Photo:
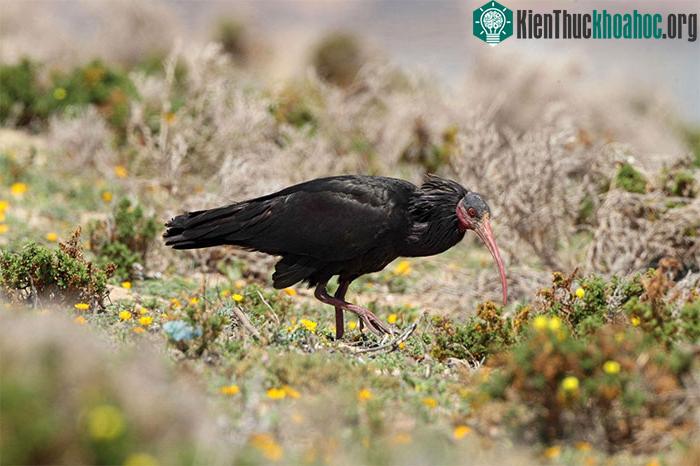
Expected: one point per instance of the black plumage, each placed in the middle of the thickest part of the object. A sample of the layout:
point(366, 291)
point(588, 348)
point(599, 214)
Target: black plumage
point(344, 225)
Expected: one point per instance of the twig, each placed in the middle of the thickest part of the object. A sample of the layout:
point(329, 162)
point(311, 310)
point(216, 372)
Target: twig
point(274, 316)
point(245, 322)
point(393, 344)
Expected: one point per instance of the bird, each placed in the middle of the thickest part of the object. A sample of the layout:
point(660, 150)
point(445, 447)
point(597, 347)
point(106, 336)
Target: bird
point(345, 226)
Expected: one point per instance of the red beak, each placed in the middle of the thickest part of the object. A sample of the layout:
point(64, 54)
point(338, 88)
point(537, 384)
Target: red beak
point(484, 231)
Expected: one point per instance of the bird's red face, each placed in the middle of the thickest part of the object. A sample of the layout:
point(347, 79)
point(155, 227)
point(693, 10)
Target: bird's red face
point(474, 214)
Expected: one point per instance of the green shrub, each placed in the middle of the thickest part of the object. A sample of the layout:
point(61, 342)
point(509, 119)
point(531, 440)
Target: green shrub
point(679, 183)
point(19, 94)
point(338, 58)
point(196, 326)
point(38, 274)
point(630, 179)
point(124, 239)
point(233, 37)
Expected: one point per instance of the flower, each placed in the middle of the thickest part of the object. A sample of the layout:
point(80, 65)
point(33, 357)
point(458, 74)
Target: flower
point(80, 320)
point(554, 323)
point(291, 393)
point(309, 325)
point(169, 117)
point(352, 325)
point(4, 205)
point(179, 330)
point(552, 452)
point(106, 197)
point(145, 320)
point(364, 395)
point(461, 431)
point(126, 285)
point(125, 315)
point(229, 390)
point(52, 237)
point(121, 171)
point(18, 189)
point(82, 306)
point(431, 403)
point(237, 297)
point(635, 321)
point(4, 228)
point(392, 318)
point(105, 422)
point(276, 393)
point(402, 268)
point(225, 293)
point(268, 446)
point(194, 301)
point(570, 384)
point(402, 345)
point(175, 303)
point(139, 330)
point(143, 311)
point(140, 459)
point(583, 446)
point(611, 367)
point(239, 284)
point(539, 322)
point(290, 291)
point(580, 293)
point(59, 93)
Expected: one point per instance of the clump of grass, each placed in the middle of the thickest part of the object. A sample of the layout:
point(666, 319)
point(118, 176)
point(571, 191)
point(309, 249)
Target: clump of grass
point(37, 274)
point(338, 58)
point(630, 179)
point(124, 239)
point(680, 183)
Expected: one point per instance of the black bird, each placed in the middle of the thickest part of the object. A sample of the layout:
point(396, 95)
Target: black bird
point(343, 225)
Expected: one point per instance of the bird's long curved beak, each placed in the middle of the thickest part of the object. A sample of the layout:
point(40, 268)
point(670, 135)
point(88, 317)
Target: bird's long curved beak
point(485, 233)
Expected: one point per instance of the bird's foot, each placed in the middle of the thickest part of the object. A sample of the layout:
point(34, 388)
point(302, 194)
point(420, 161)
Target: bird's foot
point(372, 322)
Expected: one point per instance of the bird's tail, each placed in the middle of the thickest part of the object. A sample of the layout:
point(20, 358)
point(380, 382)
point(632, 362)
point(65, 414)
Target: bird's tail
point(203, 228)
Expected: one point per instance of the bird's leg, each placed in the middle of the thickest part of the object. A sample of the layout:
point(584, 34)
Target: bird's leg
point(339, 321)
point(372, 321)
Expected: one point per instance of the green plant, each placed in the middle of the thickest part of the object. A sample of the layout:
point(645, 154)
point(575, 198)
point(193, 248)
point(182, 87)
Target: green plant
point(196, 327)
point(679, 183)
point(19, 93)
point(124, 239)
point(36, 273)
point(630, 179)
point(338, 58)
point(233, 37)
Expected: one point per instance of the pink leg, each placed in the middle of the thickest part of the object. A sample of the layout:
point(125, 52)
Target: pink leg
point(372, 321)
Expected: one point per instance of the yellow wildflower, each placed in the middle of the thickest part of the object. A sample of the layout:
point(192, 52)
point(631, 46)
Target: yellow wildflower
point(237, 297)
point(570, 384)
point(18, 189)
point(552, 452)
point(59, 93)
point(121, 171)
point(635, 321)
point(290, 291)
point(539, 322)
point(364, 394)
point(554, 323)
point(392, 319)
point(583, 446)
point(145, 320)
point(402, 268)
point(80, 320)
point(169, 117)
point(4, 205)
point(239, 284)
point(402, 345)
point(139, 330)
point(309, 325)
point(580, 293)
point(2, 216)
point(175, 303)
point(143, 311)
point(194, 301)
point(52, 237)
point(291, 393)
point(352, 325)
point(276, 393)
point(654, 462)
point(140, 459)
point(268, 446)
point(229, 390)
point(225, 293)
point(430, 402)
point(611, 367)
point(4, 228)
point(82, 306)
point(461, 431)
point(125, 315)
point(126, 285)
point(105, 422)
point(106, 197)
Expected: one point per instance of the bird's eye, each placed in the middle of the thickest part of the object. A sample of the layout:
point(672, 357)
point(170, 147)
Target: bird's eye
point(471, 212)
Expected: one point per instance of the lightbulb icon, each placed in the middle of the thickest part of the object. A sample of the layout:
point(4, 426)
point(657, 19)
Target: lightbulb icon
point(493, 21)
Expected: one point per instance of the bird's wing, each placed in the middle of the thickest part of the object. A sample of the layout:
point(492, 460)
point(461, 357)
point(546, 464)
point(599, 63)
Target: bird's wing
point(337, 219)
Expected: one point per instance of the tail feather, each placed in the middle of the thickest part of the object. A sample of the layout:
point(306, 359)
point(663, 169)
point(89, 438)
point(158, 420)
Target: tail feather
point(205, 228)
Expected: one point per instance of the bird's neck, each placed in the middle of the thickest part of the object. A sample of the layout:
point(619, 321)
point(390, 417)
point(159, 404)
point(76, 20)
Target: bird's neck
point(434, 225)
